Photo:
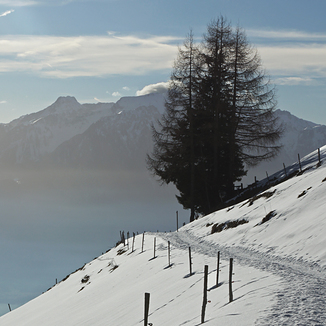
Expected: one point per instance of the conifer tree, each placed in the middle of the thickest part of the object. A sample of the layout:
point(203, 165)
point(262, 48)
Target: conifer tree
point(219, 116)
point(173, 157)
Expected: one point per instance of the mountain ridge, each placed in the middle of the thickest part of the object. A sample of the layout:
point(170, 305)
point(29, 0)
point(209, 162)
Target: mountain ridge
point(64, 134)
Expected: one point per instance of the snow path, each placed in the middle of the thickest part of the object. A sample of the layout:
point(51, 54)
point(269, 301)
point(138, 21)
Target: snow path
point(302, 298)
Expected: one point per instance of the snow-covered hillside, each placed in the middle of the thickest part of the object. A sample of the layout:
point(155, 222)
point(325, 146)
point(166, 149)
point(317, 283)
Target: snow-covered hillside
point(278, 243)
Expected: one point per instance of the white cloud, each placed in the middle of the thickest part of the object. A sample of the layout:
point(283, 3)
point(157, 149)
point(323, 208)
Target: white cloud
point(6, 13)
point(3, 102)
point(293, 81)
point(116, 94)
point(126, 88)
point(293, 35)
point(305, 61)
point(63, 57)
point(18, 3)
point(292, 57)
point(111, 54)
point(25, 3)
point(154, 88)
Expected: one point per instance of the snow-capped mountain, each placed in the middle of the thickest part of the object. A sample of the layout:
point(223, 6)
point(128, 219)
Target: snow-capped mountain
point(27, 139)
point(118, 135)
point(133, 102)
point(125, 125)
point(117, 141)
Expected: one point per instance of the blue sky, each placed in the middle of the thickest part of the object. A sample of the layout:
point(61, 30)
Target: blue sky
point(100, 50)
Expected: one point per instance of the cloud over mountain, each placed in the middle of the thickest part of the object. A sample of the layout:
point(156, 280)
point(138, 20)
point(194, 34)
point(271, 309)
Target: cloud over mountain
point(154, 88)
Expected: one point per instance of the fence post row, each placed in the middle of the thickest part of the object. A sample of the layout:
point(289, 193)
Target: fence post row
point(205, 295)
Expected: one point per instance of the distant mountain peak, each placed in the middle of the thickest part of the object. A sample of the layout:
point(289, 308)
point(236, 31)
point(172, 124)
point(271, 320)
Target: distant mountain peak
point(64, 102)
point(65, 99)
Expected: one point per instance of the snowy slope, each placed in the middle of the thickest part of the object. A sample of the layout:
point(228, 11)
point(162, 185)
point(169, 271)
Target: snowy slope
point(279, 266)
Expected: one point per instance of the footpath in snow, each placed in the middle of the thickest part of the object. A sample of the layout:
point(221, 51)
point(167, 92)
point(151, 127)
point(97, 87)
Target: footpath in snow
point(299, 300)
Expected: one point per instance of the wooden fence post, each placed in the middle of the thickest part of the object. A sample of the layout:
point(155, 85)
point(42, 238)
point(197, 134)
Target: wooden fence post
point(177, 222)
point(154, 246)
point(205, 295)
point(284, 170)
point(230, 280)
point(169, 261)
point(146, 310)
point(319, 162)
point(9, 307)
point(217, 268)
point(123, 239)
point(190, 263)
point(142, 244)
point(299, 162)
point(133, 241)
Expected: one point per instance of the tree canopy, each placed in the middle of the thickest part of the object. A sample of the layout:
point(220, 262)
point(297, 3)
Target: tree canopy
point(219, 116)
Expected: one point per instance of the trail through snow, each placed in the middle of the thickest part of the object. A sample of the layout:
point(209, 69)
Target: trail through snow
point(302, 298)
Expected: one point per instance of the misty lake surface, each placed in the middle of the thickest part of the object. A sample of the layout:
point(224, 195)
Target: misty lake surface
point(53, 225)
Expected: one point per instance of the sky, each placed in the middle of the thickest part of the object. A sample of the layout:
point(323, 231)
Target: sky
point(101, 50)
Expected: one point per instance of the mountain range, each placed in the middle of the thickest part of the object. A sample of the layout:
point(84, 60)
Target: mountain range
point(117, 136)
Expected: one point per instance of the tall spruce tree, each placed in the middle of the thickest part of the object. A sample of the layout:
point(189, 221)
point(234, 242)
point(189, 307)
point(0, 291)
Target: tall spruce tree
point(173, 158)
point(219, 116)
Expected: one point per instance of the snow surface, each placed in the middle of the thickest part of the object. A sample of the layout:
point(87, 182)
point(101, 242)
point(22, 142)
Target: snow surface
point(279, 268)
